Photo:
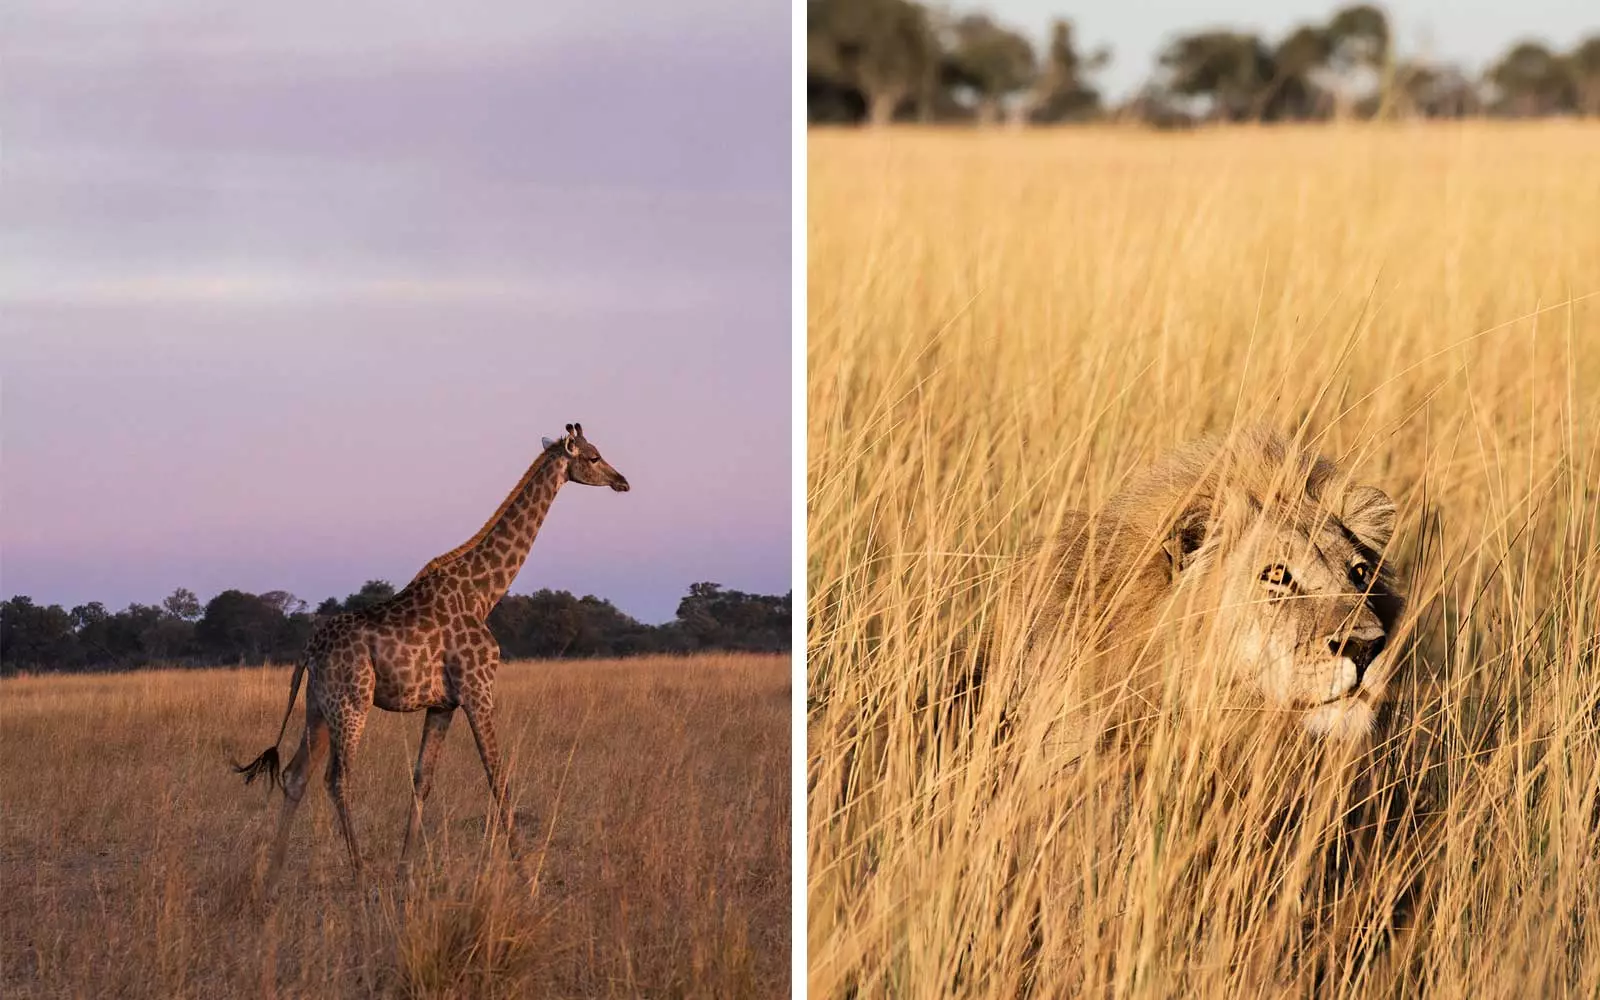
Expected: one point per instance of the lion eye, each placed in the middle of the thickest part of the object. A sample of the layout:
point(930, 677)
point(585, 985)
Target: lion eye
point(1277, 575)
point(1361, 575)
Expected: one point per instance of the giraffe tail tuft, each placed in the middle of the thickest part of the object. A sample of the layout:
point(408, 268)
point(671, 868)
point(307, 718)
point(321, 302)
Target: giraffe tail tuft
point(266, 764)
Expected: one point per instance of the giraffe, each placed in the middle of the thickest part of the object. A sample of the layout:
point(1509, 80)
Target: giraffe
point(427, 648)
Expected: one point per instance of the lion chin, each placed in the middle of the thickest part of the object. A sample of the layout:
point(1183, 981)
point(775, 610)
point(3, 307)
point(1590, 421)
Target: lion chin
point(1346, 720)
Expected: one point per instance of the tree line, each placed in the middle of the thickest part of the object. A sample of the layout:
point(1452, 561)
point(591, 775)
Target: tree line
point(878, 61)
point(243, 628)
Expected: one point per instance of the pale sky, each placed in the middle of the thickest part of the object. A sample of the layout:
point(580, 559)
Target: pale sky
point(290, 292)
point(1469, 32)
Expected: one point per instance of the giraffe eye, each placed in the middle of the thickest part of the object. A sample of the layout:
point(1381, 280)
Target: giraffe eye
point(1277, 575)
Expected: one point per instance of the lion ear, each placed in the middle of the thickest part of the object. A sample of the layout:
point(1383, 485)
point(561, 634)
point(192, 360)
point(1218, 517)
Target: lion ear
point(1369, 514)
point(1184, 540)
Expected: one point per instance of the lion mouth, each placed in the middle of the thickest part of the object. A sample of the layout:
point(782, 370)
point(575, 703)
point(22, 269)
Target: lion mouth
point(1354, 694)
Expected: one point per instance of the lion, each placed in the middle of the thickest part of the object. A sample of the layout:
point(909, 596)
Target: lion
point(1243, 568)
point(1224, 627)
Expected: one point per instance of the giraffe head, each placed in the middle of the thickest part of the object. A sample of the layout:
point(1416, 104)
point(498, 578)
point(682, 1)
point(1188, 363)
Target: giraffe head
point(584, 464)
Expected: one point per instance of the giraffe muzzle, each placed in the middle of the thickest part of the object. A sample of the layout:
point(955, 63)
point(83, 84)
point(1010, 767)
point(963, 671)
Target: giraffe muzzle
point(620, 483)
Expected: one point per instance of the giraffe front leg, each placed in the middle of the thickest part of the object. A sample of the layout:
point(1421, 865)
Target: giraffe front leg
point(481, 718)
point(434, 729)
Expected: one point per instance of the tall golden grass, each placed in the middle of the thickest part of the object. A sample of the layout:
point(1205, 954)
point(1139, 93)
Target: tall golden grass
point(653, 796)
point(1001, 327)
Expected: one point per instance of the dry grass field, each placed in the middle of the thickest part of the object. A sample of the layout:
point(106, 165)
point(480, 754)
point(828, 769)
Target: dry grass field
point(1001, 328)
point(653, 793)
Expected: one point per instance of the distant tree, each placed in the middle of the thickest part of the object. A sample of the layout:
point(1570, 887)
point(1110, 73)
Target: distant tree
point(292, 634)
point(877, 60)
point(510, 621)
point(1156, 105)
point(541, 625)
point(695, 613)
point(100, 638)
point(831, 101)
point(34, 637)
point(555, 623)
point(990, 61)
point(372, 592)
point(128, 631)
point(883, 49)
point(1061, 90)
point(329, 606)
point(606, 631)
point(1297, 61)
point(1583, 65)
point(1428, 91)
point(89, 615)
point(182, 604)
point(285, 602)
point(1230, 71)
point(1359, 54)
point(715, 618)
point(237, 625)
point(168, 638)
point(1530, 81)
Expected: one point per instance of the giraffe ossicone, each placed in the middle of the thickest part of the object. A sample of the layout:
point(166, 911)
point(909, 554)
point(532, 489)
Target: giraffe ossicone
point(427, 648)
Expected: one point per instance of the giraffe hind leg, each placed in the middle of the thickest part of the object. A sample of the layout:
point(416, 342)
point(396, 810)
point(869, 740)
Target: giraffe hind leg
point(313, 743)
point(345, 740)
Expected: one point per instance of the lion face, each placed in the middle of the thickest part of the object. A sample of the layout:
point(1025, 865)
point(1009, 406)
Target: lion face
point(1240, 570)
point(1304, 616)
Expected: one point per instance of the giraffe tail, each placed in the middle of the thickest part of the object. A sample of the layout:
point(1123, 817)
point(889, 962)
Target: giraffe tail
point(267, 763)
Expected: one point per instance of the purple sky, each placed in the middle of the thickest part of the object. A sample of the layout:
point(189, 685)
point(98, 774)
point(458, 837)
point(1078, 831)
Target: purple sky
point(289, 292)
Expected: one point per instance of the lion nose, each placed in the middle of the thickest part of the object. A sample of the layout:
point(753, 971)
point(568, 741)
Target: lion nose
point(1361, 652)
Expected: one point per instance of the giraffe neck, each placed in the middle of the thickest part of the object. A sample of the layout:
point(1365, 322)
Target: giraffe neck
point(488, 561)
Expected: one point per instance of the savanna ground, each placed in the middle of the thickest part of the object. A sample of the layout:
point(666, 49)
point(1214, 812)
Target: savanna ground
point(653, 795)
point(1001, 327)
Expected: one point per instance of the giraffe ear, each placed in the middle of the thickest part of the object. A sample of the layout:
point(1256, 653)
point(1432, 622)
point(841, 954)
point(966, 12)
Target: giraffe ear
point(571, 444)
